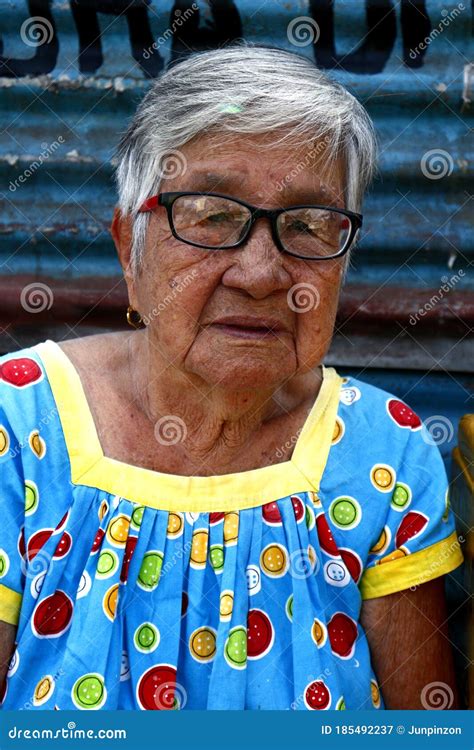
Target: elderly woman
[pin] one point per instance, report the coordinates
(198, 513)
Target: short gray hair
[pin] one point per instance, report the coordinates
(242, 88)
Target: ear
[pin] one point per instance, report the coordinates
(121, 231)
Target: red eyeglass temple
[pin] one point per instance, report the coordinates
(149, 204)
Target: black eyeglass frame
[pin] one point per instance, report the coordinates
(167, 200)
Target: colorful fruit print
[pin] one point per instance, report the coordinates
(107, 563)
(402, 415)
(37, 444)
(447, 505)
(382, 542)
(156, 688)
(61, 523)
(85, 585)
(202, 644)
(349, 396)
(274, 560)
(4, 440)
(199, 548)
(109, 602)
(375, 693)
(231, 528)
(352, 562)
(411, 525)
(63, 547)
(326, 539)
(319, 633)
(345, 512)
(313, 559)
(150, 570)
(395, 555)
(260, 634)
(146, 637)
(127, 558)
(124, 667)
(317, 695)
(342, 631)
(341, 704)
(216, 518)
(88, 692)
(235, 648)
(382, 477)
(226, 605)
(216, 556)
(137, 517)
(43, 690)
(289, 608)
(309, 517)
(271, 514)
(96, 545)
(254, 579)
(4, 563)
(298, 508)
(20, 372)
(339, 430)
(117, 531)
(37, 542)
(31, 497)
(313, 496)
(22, 543)
(401, 496)
(52, 616)
(336, 573)
(175, 525)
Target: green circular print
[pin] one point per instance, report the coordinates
(31, 497)
(289, 608)
(107, 563)
(89, 691)
(146, 638)
(150, 570)
(401, 496)
(235, 649)
(345, 512)
(4, 563)
(137, 516)
(216, 554)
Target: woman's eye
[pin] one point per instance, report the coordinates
(218, 218)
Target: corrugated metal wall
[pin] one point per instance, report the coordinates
(72, 72)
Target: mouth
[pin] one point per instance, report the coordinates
(254, 328)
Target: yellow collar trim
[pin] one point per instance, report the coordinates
(175, 492)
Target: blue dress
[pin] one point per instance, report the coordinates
(135, 589)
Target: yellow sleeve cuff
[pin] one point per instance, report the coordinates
(411, 570)
(10, 605)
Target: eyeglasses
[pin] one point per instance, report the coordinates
(219, 222)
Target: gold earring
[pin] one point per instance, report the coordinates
(134, 318)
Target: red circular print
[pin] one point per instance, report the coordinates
(53, 615)
(402, 414)
(129, 550)
(156, 687)
(21, 542)
(20, 372)
(342, 631)
(325, 536)
(271, 513)
(352, 563)
(61, 523)
(412, 524)
(37, 541)
(317, 695)
(259, 633)
(215, 518)
(97, 541)
(298, 507)
(63, 546)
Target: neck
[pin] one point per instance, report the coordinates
(206, 427)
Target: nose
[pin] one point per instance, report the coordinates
(257, 266)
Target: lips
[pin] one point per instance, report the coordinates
(257, 325)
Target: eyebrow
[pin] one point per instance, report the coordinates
(206, 181)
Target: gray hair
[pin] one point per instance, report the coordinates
(242, 88)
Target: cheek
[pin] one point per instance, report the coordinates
(315, 314)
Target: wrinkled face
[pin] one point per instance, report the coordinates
(183, 291)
